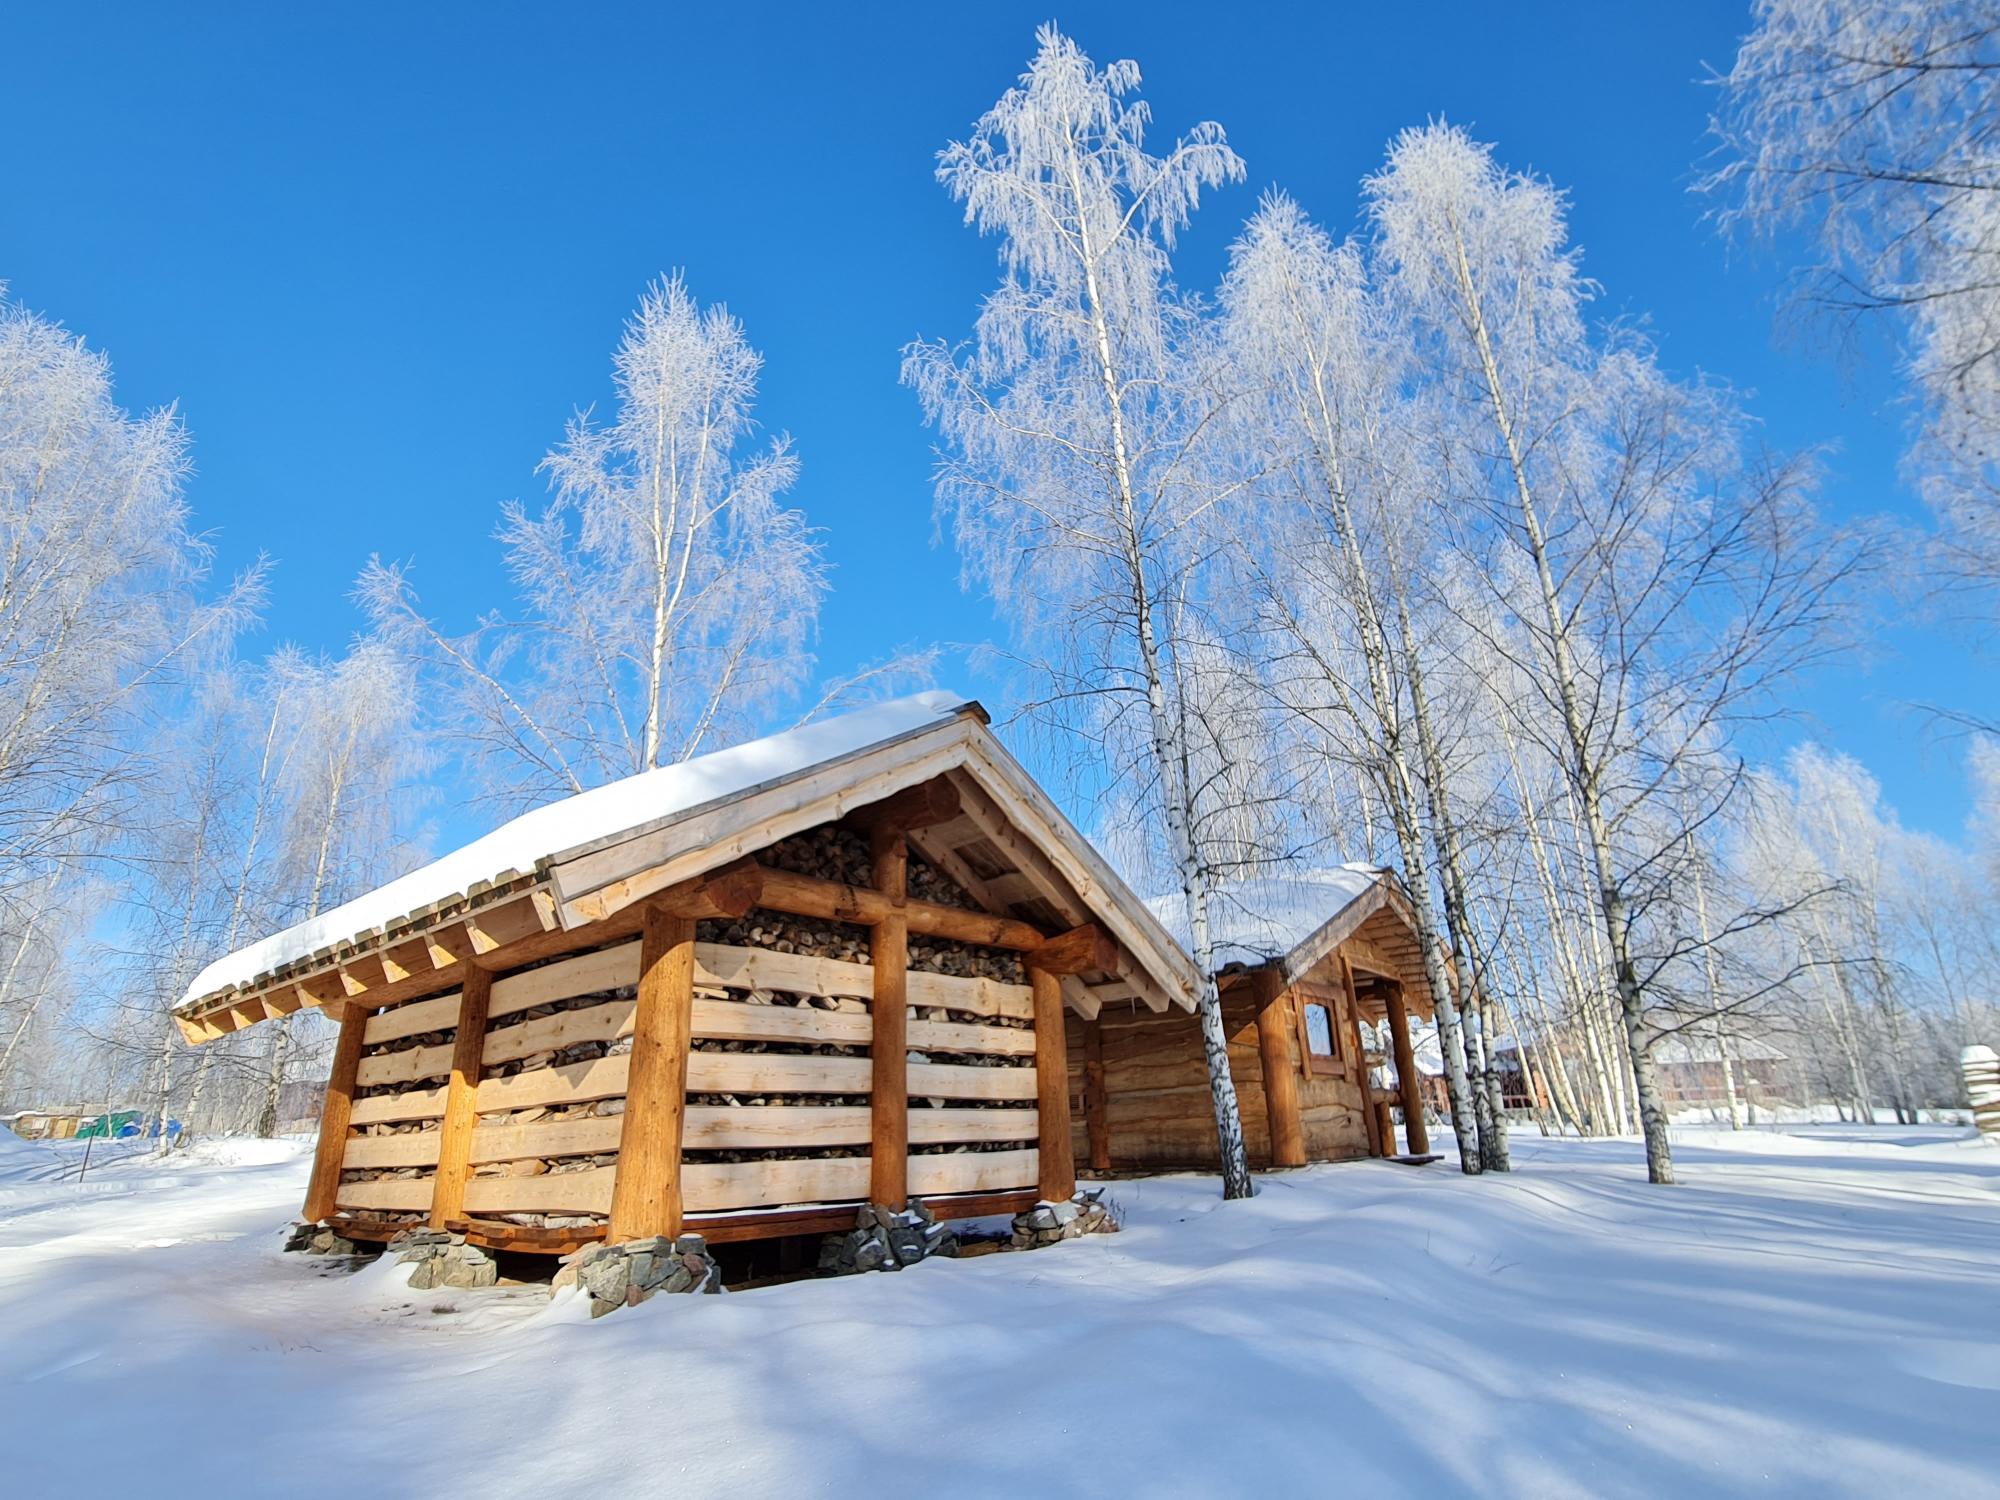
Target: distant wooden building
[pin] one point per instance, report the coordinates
(744, 994)
(1306, 963)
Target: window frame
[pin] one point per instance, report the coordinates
(1319, 1064)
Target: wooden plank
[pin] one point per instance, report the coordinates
(409, 1193)
(957, 1081)
(461, 1099)
(978, 1172)
(648, 1196)
(961, 1036)
(1096, 1121)
(335, 1117)
(956, 1127)
(794, 973)
(829, 900)
(416, 1149)
(1281, 1080)
(888, 1095)
(527, 1239)
(1409, 1086)
(406, 1066)
(786, 1073)
(979, 997)
(410, 1104)
(418, 1016)
(752, 1184)
(587, 1192)
(605, 969)
(591, 1023)
(1058, 1166)
(736, 1021)
(566, 1083)
(546, 1138)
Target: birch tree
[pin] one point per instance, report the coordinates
(1655, 577)
(1302, 333)
(1873, 128)
(667, 597)
(1073, 472)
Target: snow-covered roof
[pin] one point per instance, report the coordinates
(517, 846)
(1267, 917)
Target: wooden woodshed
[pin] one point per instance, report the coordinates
(737, 996)
(1305, 962)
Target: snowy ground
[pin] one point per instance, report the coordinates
(1815, 1311)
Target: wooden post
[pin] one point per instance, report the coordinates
(1058, 1180)
(1097, 1122)
(332, 1147)
(461, 1100)
(1281, 1081)
(1416, 1134)
(646, 1193)
(1370, 1121)
(888, 1047)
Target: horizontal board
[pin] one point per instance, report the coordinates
(406, 1066)
(768, 969)
(983, 997)
(592, 1023)
(769, 1184)
(938, 1127)
(399, 1021)
(411, 1104)
(974, 1172)
(606, 969)
(771, 1127)
(585, 1192)
(591, 1137)
(409, 1194)
(736, 1021)
(956, 1081)
(417, 1149)
(777, 1073)
(566, 1083)
(959, 1036)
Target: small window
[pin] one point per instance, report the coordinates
(1319, 1031)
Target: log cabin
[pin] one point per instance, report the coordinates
(739, 996)
(1304, 962)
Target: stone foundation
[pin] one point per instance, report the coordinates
(317, 1239)
(624, 1275)
(442, 1259)
(1048, 1223)
(885, 1239)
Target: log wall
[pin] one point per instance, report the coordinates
(1158, 1114)
(778, 1084)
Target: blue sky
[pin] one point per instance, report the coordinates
(379, 255)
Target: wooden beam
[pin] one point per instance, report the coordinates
(646, 1194)
(728, 892)
(1081, 950)
(829, 900)
(1358, 1067)
(461, 1105)
(1281, 1079)
(1081, 998)
(927, 843)
(1096, 1121)
(506, 922)
(1052, 1140)
(924, 805)
(1021, 852)
(331, 1148)
(1365, 956)
(1416, 1134)
(888, 1048)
